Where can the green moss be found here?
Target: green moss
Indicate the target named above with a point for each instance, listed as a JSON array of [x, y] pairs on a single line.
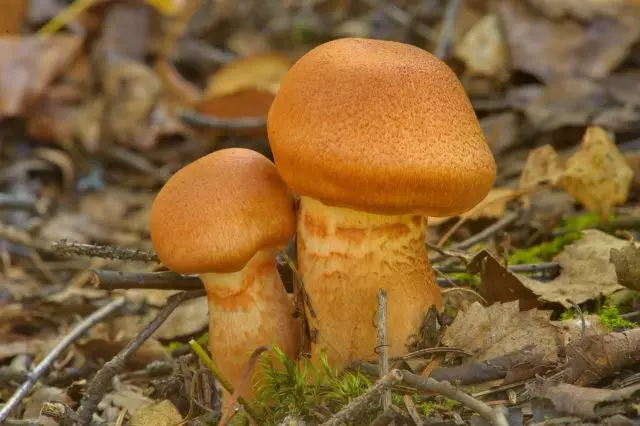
[[570, 231], [296, 389], [610, 317], [472, 280]]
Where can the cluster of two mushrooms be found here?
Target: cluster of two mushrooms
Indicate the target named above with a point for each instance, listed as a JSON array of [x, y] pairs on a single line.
[[373, 136]]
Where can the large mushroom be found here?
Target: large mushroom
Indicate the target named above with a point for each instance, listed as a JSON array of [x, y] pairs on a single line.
[[374, 136], [224, 217]]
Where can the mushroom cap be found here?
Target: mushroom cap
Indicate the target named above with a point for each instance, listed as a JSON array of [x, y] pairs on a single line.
[[379, 126], [214, 214]]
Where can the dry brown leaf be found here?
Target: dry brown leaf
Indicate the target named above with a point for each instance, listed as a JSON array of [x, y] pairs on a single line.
[[261, 72], [627, 264], [98, 347], [27, 67], [130, 399], [484, 51], [583, 9], [586, 270], [501, 285], [564, 47], [131, 91], [492, 206], [597, 175], [162, 413], [39, 396], [562, 103], [543, 166], [502, 131], [493, 331]]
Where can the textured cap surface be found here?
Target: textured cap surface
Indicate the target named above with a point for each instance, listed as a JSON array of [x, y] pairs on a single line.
[[379, 126], [214, 214]]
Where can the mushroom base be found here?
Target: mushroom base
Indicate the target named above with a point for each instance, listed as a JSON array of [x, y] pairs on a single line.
[[248, 309], [344, 258]]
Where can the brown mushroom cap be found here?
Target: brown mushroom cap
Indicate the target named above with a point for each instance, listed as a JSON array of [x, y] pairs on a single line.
[[214, 214], [379, 126]]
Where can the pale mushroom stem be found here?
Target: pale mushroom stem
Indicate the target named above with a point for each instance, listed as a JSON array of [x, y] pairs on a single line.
[[344, 258], [248, 309]]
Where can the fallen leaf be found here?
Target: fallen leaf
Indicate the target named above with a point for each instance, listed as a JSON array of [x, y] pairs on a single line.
[[127, 398], [162, 413], [131, 91], [571, 102], [581, 9], [95, 348], [626, 261], [499, 284], [484, 51], [261, 72], [502, 131], [543, 167], [493, 331], [564, 47], [597, 175], [41, 395], [590, 403], [586, 271], [28, 65]]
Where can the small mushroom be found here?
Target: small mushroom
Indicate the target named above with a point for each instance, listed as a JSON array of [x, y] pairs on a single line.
[[224, 217], [374, 136]]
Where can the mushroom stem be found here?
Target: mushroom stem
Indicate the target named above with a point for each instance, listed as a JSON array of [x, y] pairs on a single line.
[[248, 309], [344, 257]]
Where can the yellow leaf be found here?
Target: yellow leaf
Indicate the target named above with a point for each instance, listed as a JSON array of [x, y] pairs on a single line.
[[543, 166], [598, 176]]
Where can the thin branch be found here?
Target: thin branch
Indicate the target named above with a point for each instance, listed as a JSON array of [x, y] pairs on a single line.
[[382, 348], [44, 365], [70, 248], [220, 123], [547, 267], [448, 24], [103, 377], [115, 280], [493, 416], [360, 405], [489, 231]]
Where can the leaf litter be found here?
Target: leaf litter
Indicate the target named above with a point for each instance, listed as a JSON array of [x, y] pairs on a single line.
[[541, 310]]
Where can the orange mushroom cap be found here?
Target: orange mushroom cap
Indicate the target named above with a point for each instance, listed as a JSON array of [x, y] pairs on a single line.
[[379, 126], [214, 214]]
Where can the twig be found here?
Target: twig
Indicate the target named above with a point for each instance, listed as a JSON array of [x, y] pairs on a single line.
[[70, 248], [139, 163], [219, 123], [14, 202], [115, 280], [550, 267], [383, 356], [493, 416], [504, 221], [449, 21], [413, 411], [360, 405], [41, 369], [215, 371], [102, 379]]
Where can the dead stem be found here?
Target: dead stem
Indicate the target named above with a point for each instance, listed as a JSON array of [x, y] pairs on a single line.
[[489, 231], [219, 123], [102, 379], [494, 416], [360, 405], [41, 369], [448, 24], [70, 248], [115, 280], [382, 348]]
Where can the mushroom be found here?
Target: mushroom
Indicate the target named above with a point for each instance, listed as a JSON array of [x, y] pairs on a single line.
[[224, 217], [373, 136]]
